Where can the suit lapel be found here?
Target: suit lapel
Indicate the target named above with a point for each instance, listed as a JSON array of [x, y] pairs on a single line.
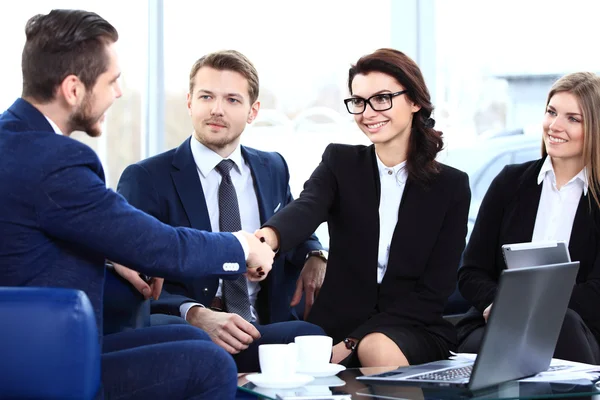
[[525, 213], [415, 199], [368, 193], [522, 209], [371, 178], [188, 186], [583, 233], [263, 187]]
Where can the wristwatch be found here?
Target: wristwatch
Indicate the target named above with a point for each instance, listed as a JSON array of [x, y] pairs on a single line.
[[350, 344], [322, 254]]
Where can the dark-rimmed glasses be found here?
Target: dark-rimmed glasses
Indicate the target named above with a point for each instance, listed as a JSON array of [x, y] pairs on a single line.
[[378, 102]]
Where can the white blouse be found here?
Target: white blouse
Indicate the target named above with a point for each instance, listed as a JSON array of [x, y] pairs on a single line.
[[393, 181], [557, 207]]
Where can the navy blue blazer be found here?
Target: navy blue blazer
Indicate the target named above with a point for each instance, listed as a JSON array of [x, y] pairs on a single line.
[[167, 186], [59, 222]]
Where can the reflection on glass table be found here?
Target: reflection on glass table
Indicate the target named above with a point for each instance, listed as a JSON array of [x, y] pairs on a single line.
[[346, 384]]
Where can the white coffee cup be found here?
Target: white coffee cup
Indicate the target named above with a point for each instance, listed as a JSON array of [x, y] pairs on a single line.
[[314, 352], [277, 360]]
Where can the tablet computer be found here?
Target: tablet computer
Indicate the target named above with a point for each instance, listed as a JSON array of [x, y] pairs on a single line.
[[532, 254]]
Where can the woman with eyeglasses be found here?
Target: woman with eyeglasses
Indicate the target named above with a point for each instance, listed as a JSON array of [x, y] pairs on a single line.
[[554, 198], [397, 222]]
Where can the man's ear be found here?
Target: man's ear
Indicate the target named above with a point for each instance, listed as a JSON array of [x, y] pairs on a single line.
[[72, 90], [189, 103], [253, 112]]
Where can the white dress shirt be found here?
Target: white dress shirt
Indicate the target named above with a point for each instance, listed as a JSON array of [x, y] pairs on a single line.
[[206, 160], [54, 126], [393, 181], [557, 207]]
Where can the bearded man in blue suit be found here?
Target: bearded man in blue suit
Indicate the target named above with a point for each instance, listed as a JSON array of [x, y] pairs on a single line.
[[59, 223], [184, 187]]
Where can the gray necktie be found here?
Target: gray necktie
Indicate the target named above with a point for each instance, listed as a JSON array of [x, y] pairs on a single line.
[[235, 292]]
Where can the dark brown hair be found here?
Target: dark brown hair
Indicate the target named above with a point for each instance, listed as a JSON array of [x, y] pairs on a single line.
[[425, 142], [63, 43], [229, 60]]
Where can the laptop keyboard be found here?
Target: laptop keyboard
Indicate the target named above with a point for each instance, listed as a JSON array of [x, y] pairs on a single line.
[[451, 374], [459, 373]]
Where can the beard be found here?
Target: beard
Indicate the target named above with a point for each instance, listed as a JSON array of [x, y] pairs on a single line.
[[83, 120], [216, 143], [214, 140]]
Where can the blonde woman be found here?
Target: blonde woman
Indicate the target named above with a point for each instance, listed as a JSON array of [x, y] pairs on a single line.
[[553, 198]]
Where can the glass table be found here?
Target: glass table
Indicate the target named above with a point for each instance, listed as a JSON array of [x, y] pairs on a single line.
[[345, 383]]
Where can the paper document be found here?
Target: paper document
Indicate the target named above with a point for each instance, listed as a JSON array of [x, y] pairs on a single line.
[[559, 370], [563, 370]]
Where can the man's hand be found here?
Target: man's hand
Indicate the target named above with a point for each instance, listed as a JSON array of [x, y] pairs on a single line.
[[310, 281], [486, 312], [260, 258], [230, 331], [339, 353], [269, 236], [151, 289]]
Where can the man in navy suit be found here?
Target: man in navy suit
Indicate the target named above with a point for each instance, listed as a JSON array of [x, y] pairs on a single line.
[[181, 187], [59, 222]]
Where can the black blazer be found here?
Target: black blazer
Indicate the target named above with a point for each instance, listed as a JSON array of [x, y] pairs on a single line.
[[167, 187], [426, 246], [507, 215]]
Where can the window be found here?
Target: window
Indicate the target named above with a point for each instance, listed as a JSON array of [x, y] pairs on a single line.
[[497, 60], [527, 154], [302, 52], [485, 177]]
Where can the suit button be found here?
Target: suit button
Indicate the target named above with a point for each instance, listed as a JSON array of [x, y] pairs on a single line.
[[205, 290]]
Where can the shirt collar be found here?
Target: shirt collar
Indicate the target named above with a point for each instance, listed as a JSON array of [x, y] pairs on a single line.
[[206, 159], [399, 170], [54, 126], [547, 168]]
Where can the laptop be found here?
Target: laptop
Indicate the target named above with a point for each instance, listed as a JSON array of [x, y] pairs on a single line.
[[519, 339], [531, 254]]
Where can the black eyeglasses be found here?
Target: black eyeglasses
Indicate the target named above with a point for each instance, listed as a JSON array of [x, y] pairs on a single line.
[[378, 102]]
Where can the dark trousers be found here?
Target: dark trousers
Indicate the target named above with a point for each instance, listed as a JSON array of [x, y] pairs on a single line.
[[279, 332], [166, 362], [575, 342]]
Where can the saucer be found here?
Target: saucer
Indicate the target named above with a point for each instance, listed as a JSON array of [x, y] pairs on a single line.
[[321, 371], [286, 382], [328, 381]]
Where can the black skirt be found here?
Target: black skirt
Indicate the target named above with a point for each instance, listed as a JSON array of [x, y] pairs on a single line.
[[418, 345]]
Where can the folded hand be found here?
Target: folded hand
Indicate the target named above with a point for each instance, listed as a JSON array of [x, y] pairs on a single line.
[[152, 289]]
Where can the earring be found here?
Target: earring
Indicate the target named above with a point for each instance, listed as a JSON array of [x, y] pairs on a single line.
[[430, 123]]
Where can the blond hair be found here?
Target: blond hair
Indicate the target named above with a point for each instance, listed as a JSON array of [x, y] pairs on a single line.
[[229, 60], [585, 86]]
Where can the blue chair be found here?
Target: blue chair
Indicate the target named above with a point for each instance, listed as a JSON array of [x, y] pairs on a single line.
[[49, 344]]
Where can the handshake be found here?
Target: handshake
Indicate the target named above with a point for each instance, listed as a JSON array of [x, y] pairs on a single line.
[[261, 251]]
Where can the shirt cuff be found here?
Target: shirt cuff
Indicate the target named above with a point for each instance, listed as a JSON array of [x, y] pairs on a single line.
[[220, 289], [185, 307], [243, 242]]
